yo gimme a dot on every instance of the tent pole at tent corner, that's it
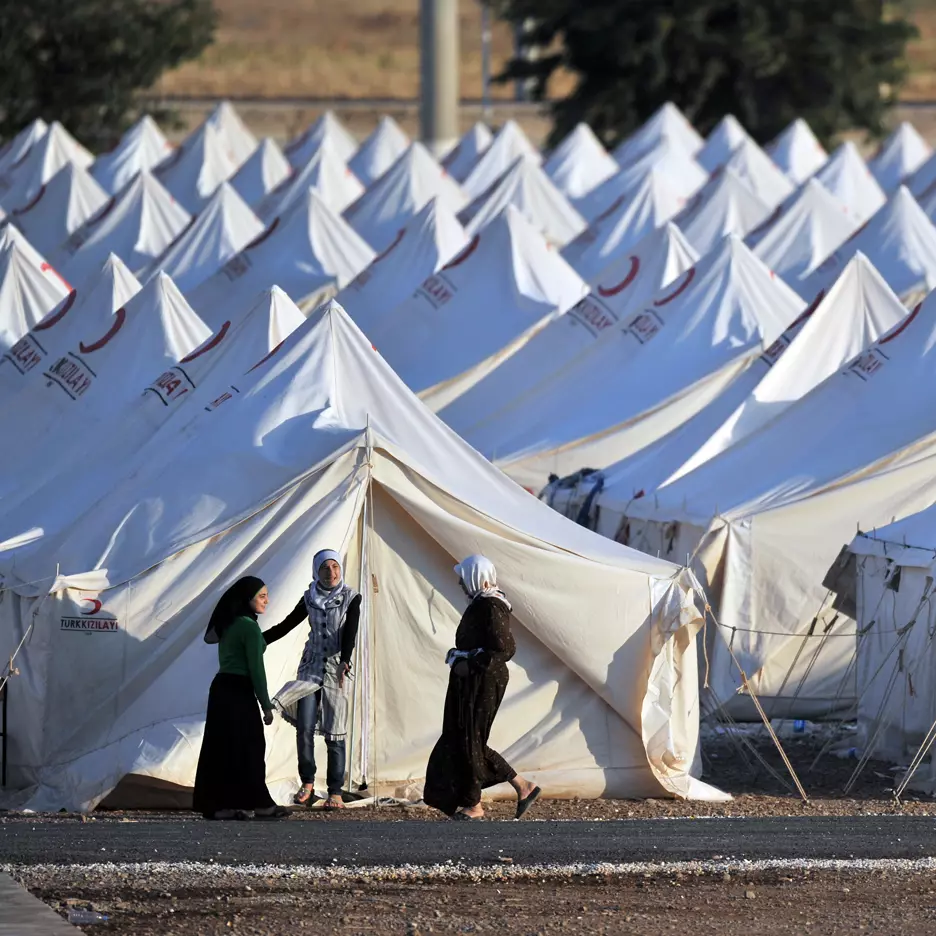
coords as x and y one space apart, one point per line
439 66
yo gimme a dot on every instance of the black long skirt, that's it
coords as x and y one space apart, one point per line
231 766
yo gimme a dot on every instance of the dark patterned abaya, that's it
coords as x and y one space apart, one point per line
461 764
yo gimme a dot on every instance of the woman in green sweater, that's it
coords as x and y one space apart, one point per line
231 776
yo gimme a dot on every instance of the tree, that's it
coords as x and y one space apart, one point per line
836 63
84 62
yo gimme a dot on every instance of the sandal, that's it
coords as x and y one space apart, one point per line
524 804
279 812
464 817
332 804
303 797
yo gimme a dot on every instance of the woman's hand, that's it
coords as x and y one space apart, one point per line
344 669
268 716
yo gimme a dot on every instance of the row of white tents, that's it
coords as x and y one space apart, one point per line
178 421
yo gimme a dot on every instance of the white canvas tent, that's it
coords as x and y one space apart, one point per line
265 169
193 173
847 177
756 168
667 125
28 290
682 173
527 188
508 145
379 151
360 465
630 282
772 512
901 243
141 222
421 248
797 152
900 155
88 309
648 375
326 127
94 381
141 149
496 294
809 226
725 205
14 151
625 223
223 228
309 252
579 163
401 193
331 179
69 199
721 143
469 149
236 138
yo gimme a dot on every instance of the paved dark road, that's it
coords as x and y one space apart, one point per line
393 843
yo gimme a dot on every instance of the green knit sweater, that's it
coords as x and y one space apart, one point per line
240 652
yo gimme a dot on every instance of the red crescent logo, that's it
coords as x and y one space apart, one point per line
120 316
400 235
31 205
902 325
48 268
266 358
465 254
56 317
212 342
95 605
690 276
263 235
631 276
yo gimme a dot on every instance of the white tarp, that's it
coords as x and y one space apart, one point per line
901 243
797 152
506 148
900 155
400 194
141 149
721 143
263 171
848 178
326 127
193 173
630 282
425 244
668 125
86 310
496 294
647 375
222 229
802 233
379 151
66 202
51 151
29 290
94 380
470 148
726 205
579 163
309 252
525 186
139 225
615 715
326 174
14 151
613 234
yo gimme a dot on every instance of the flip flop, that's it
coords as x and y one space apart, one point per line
464 817
330 806
524 804
304 797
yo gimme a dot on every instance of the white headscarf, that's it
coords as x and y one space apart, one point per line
318 592
480 578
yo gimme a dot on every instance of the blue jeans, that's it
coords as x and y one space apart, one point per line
306 716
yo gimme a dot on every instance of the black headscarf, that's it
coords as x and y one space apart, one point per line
234 603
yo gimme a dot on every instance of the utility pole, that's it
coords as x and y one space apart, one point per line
438 116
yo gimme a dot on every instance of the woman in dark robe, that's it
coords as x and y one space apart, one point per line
461 764
231 778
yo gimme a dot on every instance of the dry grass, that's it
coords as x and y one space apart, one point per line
330 48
